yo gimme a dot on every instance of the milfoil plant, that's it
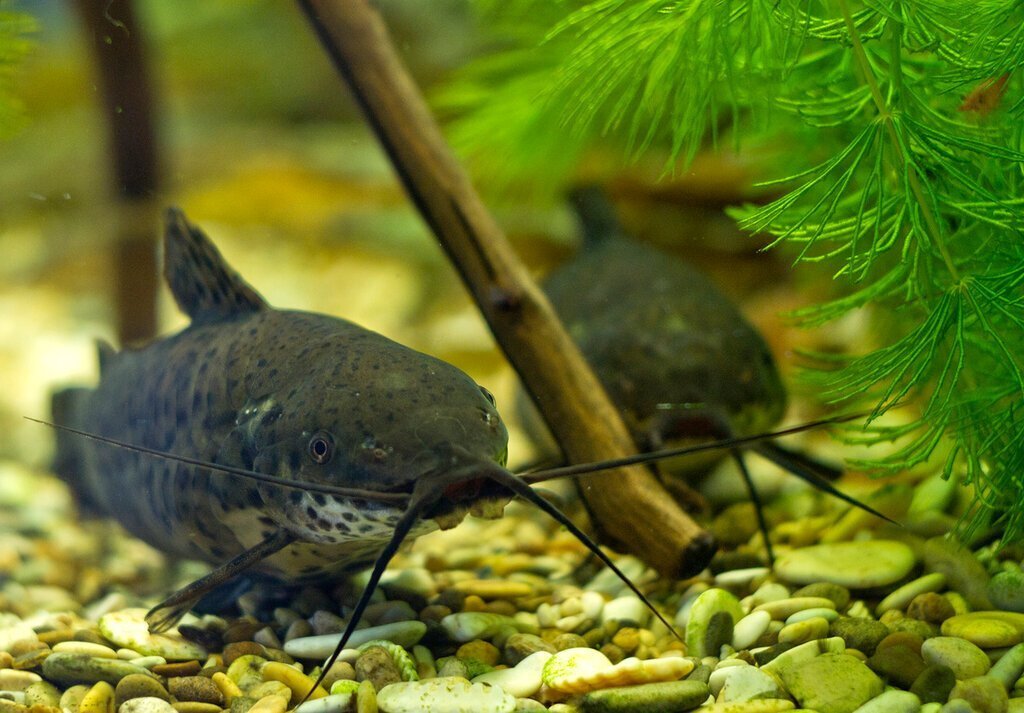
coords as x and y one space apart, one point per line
898 126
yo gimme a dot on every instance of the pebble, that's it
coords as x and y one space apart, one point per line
648 698
195 688
139 686
128 628
781 609
706 632
987 629
964 658
584 669
749 629
1006 590
78 668
146 705
86 648
334 703
802 653
444 695
14 680
891 702
494 588
931 607
1008 669
376 666
901 597
403 633
934 684
268 704
519 646
42 693
839 595
828 614
984 693
628 608
746 683
861 634
466 626
831 683
99 699
299 683
899 665
764 705
523 680
856 565
806 630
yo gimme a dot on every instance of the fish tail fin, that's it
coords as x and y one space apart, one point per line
69 457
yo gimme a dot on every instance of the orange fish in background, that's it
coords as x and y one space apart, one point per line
985 98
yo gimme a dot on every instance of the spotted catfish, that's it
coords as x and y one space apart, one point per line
301 396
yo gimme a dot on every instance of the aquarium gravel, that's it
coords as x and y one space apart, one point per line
509 615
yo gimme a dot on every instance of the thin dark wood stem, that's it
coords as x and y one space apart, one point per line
630 507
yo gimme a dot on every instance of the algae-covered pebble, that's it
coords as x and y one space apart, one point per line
711 622
892 702
99 699
987 629
831 683
146 705
646 698
583 669
299 683
403 633
128 628
857 565
964 658
78 668
521 681
444 695
466 626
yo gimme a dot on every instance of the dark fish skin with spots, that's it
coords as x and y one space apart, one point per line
676 356
300 395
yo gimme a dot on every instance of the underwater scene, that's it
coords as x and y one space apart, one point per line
590 356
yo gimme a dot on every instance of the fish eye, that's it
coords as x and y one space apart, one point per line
321 447
488 395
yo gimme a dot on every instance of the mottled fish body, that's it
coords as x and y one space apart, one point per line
304 396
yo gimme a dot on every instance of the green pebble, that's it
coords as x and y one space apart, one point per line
831 683
892 701
709 603
899 665
80 668
861 634
966 659
984 693
963 571
1006 590
839 594
934 684
646 698
1010 667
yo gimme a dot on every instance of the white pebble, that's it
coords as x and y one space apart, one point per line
334 703
628 608
85 647
147 704
592 605
749 629
444 695
403 633
521 681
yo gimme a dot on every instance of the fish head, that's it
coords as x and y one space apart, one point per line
371 414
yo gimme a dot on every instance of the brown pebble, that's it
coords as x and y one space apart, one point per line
340 671
241 630
31 659
56 636
242 704
195 688
451 598
902 638
931 607
6 660
139 685
613 652
568 641
196 707
483 651
90 636
503 607
434 613
376 666
241 648
25 646
178 668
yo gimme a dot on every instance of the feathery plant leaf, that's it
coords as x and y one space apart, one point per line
903 177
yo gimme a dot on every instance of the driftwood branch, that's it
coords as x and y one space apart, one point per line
118 45
629 505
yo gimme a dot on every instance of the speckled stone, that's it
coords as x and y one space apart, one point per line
377 666
444 695
837 594
931 607
519 646
146 705
195 688
139 686
831 683
856 565
861 634
78 668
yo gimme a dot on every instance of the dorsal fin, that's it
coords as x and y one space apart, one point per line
595 213
205 287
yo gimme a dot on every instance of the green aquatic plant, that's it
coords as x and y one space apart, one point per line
899 129
14 45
